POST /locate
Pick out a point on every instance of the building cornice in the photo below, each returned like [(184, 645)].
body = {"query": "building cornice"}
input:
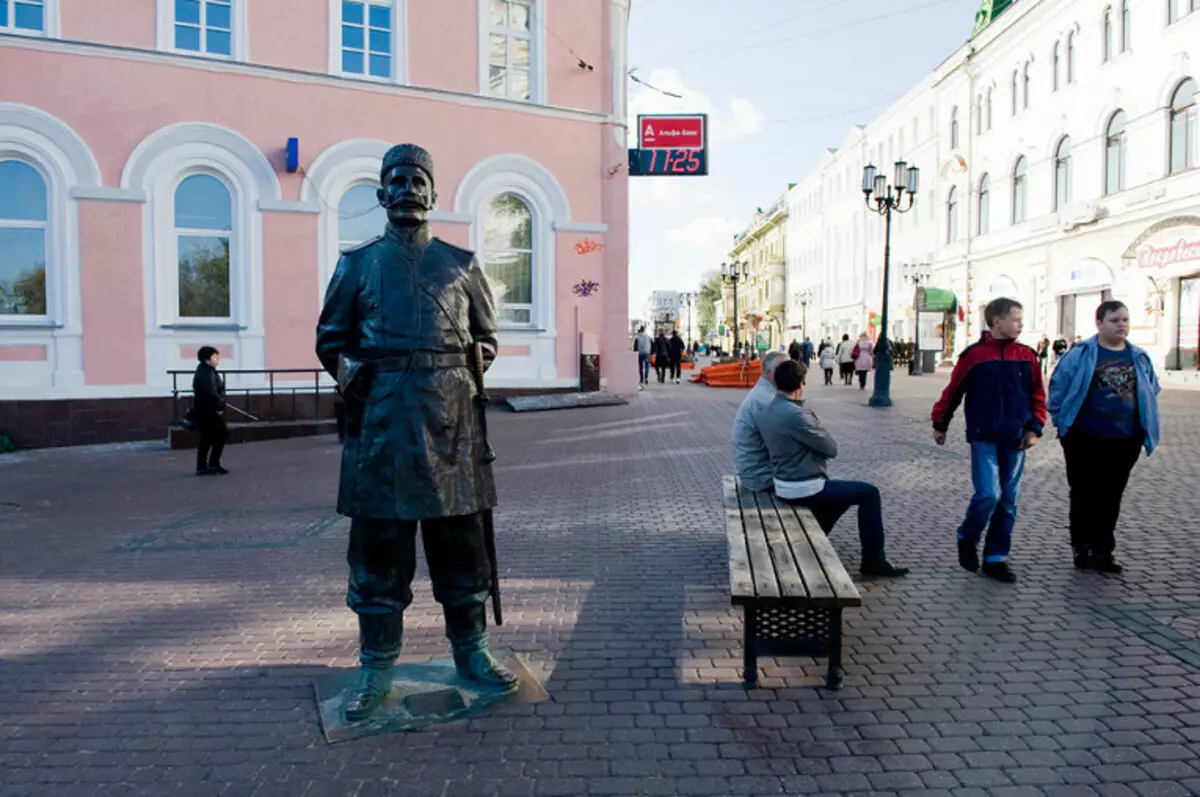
[(296, 76)]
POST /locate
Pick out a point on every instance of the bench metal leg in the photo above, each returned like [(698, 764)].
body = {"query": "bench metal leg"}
[(749, 650), (834, 679)]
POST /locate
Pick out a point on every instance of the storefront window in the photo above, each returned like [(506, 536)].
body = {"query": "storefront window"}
[(1188, 333)]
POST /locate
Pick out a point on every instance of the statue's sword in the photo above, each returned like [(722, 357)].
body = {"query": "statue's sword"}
[(489, 456)]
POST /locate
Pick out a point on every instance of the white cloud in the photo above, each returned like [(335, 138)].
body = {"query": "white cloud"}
[(738, 119), (707, 234)]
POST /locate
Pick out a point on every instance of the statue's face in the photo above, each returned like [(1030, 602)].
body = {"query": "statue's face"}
[(407, 194)]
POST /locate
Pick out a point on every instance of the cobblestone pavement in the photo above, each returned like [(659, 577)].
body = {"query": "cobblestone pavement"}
[(159, 635)]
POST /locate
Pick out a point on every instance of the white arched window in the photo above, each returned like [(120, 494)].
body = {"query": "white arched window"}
[(1028, 70), (1114, 154), (1015, 77), (203, 208), (1126, 27), (508, 254), (360, 216), (1107, 40), (979, 114), (1055, 68), (1020, 191), (1185, 151), (1070, 58), (1062, 173), (985, 204), (952, 215), (953, 128), (24, 213), (989, 109)]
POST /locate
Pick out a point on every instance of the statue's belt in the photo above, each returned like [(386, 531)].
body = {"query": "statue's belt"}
[(421, 361)]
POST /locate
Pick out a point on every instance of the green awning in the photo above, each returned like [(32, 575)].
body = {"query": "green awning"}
[(935, 299)]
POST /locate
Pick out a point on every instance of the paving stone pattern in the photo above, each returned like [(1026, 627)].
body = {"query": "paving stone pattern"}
[(159, 633)]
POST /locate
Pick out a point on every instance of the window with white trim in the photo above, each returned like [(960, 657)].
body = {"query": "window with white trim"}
[(985, 204), (510, 49), (952, 215), (368, 38), (1054, 64), (1115, 154), (23, 16), (24, 213), (203, 213), (1070, 58), (360, 216), (204, 26), (1062, 173), (1185, 150), (1020, 191), (508, 256), (1107, 41)]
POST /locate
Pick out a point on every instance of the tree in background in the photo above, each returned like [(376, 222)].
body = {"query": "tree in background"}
[(710, 294), (25, 295)]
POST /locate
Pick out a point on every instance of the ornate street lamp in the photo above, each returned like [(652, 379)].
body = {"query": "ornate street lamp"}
[(687, 298), (732, 274), (802, 298), (888, 198), (916, 273)]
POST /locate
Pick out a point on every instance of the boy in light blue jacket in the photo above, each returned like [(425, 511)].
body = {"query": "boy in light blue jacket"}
[(1104, 402)]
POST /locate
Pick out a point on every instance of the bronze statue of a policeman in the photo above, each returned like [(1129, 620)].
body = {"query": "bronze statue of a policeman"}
[(402, 318)]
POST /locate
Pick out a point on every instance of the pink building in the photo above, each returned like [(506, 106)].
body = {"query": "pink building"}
[(147, 207)]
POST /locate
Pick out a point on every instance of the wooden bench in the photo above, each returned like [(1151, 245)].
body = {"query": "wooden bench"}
[(788, 580)]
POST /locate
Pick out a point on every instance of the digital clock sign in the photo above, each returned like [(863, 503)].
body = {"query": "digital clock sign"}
[(668, 162), (670, 145)]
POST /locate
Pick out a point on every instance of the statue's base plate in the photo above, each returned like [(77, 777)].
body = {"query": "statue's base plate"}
[(423, 694)]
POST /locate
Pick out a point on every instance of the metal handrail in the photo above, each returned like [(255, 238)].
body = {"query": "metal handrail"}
[(270, 389)]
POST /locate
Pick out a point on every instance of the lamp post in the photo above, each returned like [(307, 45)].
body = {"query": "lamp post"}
[(888, 198), (916, 273), (733, 273), (802, 298), (687, 298)]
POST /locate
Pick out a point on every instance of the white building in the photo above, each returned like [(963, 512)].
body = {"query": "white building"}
[(662, 310), (1058, 151)]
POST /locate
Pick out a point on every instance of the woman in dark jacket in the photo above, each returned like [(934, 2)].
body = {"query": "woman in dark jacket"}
[(662, 356), (208, 404), (677, 348)]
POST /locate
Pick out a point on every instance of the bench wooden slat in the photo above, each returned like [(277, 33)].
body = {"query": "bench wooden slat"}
[(835, 573), (791, 585), (765, 583), (741, 580), (820, 591)]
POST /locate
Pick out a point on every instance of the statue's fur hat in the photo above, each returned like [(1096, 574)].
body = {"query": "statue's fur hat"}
[(407, 155)]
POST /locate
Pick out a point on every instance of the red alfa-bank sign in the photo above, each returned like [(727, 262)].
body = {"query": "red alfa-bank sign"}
[(1163, 257), (671, 132)]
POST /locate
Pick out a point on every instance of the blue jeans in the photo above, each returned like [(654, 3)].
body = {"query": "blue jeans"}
[(996, 473), (832, 502), (643, 367)]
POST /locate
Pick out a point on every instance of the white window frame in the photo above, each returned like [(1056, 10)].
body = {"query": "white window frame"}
[(1191, 130), (1020, 190), (340, 244), (399, 42), (537, 51), (10, 153), (234, 266), (240, 33), (534, 256), (51, 25), (983, 202)]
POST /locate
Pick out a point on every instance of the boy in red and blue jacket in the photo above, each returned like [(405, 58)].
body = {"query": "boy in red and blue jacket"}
[(1006, 410)]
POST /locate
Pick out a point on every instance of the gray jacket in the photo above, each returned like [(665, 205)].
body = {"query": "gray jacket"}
[(799, 446), (750, 457)]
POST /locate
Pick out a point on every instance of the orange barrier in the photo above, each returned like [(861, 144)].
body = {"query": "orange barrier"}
[(739, 374)]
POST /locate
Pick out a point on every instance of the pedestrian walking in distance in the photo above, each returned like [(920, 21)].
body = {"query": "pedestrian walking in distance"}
[(1043, 353), (676, 355), (662, 356), (864, 360), (845, 356), (208, 407), (642, 345), (1006, 410), (829, 362), (1104, 403)]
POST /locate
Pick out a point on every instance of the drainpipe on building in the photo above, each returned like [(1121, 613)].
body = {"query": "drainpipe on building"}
[(972, 198)]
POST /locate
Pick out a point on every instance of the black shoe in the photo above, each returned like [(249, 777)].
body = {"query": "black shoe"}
[(480, 667), (218, 469), (205, 472), (1084, 561), (1108, 565), (999, 571), (968, 556), (882, 568)]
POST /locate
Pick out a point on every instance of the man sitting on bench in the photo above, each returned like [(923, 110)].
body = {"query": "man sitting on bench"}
[(800, 450), (750, 457)]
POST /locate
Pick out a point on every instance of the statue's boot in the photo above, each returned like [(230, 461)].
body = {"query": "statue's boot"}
[(379, 645), (465, 628)]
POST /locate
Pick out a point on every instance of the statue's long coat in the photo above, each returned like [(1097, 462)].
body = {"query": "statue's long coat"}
[(419, 451)]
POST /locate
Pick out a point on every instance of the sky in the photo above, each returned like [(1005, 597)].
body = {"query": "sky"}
[(782, 81)]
